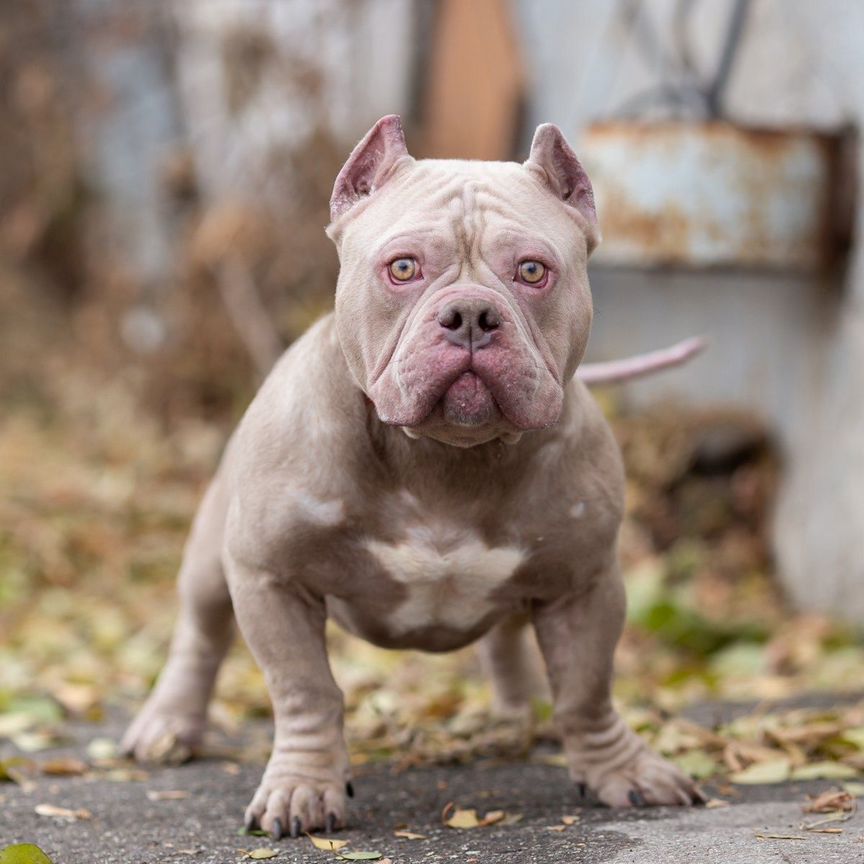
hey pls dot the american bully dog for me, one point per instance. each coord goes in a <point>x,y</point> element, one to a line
<point>425,467</point>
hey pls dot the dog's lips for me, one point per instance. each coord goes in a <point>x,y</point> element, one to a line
<point>469,402</point>
<point>428,380</point>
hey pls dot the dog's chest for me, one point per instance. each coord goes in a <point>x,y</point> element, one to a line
<point>449,576</point>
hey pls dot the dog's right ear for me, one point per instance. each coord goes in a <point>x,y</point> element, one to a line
<point>369,164</point>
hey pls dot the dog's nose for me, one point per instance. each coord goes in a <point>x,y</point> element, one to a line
<point>469,323</point>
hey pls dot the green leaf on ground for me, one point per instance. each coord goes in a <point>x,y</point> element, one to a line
<point>23,853</point>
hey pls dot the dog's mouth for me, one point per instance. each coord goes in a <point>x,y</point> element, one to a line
<point>430,381</point>
<point>469,402</point>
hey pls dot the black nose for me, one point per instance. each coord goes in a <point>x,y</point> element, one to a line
<point>469,323</point>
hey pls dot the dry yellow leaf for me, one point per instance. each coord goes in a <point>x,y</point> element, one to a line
<point>492,817</point>
<point>463,819</point>
<point>326,843</point>
<point>409,835</point>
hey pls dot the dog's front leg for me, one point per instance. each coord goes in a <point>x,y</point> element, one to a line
<point>578,634</point>
<point>303,787</point>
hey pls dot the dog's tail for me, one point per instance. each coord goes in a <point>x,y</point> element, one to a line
<point>616,371</point>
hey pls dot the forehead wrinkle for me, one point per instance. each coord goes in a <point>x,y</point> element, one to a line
<point>473,223</point>
<point>401,235</point>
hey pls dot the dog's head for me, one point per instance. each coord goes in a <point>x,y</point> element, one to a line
<point>463,305</point>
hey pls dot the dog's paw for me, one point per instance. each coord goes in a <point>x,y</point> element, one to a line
<point>158,734</point>
<point>289,803</point>
<point>645,780</point>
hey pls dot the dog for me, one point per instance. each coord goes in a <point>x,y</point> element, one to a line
<point>425,467</point>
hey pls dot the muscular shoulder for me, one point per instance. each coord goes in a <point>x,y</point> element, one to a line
<point>306,402</point>
<point>285,462</point>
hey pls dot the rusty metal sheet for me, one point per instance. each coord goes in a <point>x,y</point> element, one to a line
<point>714,194</point>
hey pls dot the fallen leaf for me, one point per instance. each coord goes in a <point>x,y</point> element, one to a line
<point>511,819</point>
<point>64,767</point>
<point>492,817</point>
<point>326,843</point>
<point>126,775</point>
<point>17,770</point>
<point>262,853</point>
<point>166,795</point>
<point>12,724</point>
<point>854,736</point>
<point>556,827</point>
<point>824,771</point>
<point>63,813</point>
<point>102,748</point>
<point>830,801</point>
<point>33,742</point>
<point>77,698</point>
<point>23,853</point>
<point>569,820</point>
<point>409,835</point>
<point>251,832</point>
<point>359,856</point>
<point>759,773</point>
<point>463,819</point>
<point>557,760</point>
<point>714,803</point>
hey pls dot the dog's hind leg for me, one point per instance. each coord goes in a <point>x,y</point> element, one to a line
<point>510,657</point>
<point>171,724</point>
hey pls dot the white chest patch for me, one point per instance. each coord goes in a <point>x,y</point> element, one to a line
<point>450,581</point>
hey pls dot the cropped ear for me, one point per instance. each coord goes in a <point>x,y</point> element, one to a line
<point>565,176</point>
<point>369,164</point>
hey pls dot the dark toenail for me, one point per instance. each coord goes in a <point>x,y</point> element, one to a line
<point>637,799</point>
<point>277,830</point>
<point>251,823</point>
<point>331,823</point>
<point>582,789</point>
<point>349,789</point>
<point>296,827</point>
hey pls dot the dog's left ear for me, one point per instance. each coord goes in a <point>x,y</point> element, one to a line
<point>564,175</point>
<point>369,164</point>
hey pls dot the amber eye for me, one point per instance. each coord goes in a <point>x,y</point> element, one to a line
<point>532,272</point>
<point>403,269</point>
